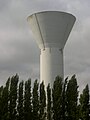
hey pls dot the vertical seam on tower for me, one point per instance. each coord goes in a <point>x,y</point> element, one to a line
<point>65,30</point>
<point>40,30</point>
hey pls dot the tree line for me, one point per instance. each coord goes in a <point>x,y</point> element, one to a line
<point>21,101</point>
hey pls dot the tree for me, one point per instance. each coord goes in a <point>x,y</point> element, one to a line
<point>57,98</point>
<point>84,104</point>
<point>64,99</point>
<point>27,101</point>
<point>35,101</point>
<point>1,91</point>
<point>49,112</point>
<point>42,101</point>
<point>72,98</point>
<point>5,101</point>
<point>13,97</point>
<point>20,102</point>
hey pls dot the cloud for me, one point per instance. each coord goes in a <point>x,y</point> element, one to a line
<point>4,4</point>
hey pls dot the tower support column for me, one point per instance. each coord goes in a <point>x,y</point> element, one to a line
<point>51,65</point>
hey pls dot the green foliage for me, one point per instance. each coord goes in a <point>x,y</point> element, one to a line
<point>35,101</point>
<point>42,101</point>
<point>57,98</point>
<point>13,97</point>
<point>72,98</point>
<point>64,101</point>
<point>1,100</point>
<point>20,102</point>
<point>49,110</point>
<point>27,101</point>
<point>84,104</point>
<point>5,98</point>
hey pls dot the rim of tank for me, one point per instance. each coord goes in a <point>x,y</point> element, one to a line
<point>52,11</point>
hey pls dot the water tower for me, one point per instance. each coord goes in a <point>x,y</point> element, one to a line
<point>51,30</point>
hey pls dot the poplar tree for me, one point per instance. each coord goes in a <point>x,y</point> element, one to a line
<point>57,98</point>
<point>20,102</point>
<point>27,101</point>
<point>1,91</point>
<point>84,104</point>
<point>35,101</point>
<point>49,110</point>
<point>13,97</point>
<point>42,101</point>
<point>5,101</point>
<point>72,99</point>
<point>64,101</point>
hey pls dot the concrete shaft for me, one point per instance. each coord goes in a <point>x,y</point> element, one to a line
<point>51,65</point>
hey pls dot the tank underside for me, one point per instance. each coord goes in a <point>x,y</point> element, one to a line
<point>51,28</point>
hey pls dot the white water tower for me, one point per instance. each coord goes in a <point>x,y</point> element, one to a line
<point>51,30</point>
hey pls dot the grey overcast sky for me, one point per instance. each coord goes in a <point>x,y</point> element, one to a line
<point>19,52</point>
